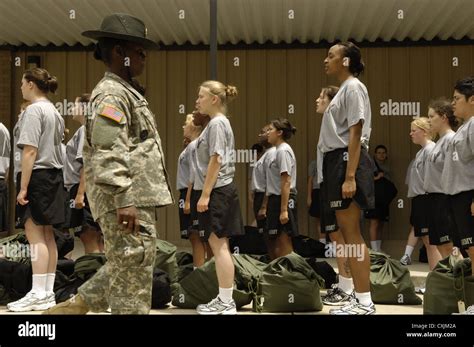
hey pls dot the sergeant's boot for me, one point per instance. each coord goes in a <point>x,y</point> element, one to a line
<point>75,305</point>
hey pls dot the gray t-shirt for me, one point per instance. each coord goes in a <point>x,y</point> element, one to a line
<point>73,163</point>
<point>313,172</point>
<point>435,164</point>
<point>283,160</point>
<point>350,105</point>
<point>16,151</point>
<point>458,171</point>
<point>216,138</point>
<point>5,149</point>
<point>184,169</point>
<point>43,127</point>
<point>259,178</point>
<point>416,171</point>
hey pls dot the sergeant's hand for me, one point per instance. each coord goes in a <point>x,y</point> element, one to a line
<point>21,198</point>
<point>203,204</point>
<point>348,188</point>
<point>127,217</point>
<point>79,201</point>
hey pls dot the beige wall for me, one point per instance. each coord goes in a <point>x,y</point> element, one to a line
<point>268,81</point>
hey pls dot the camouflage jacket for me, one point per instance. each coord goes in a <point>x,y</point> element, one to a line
<point>124,163</point>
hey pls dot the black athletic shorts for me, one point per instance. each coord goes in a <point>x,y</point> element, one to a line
<point>223,216</point>
<point>460,212</point>
<point>46,198</point>
<point>184,219</point>
<point>419,216</point>
<point>315,207</point>
<point>194,222</point>
<point>334,175</point>
<point>328,221</point>
<point>380,212</point>
<point>257,204</point>
<point>274,227</point>
<point>440,221</point>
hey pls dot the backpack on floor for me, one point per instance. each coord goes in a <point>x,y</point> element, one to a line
<point>288,284</point>
<point>450,281</point>
<point>390,281</point>
<point>326,271</point>
<point>161,290</point>
<point>308,247</point>
<point>201,285</point>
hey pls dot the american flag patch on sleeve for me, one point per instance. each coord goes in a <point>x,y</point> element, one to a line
<point>112,113</point>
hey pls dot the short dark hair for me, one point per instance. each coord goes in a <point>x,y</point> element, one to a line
<point>380,147</point>
<point>465,86</point>
<point>103,48</point>
<point>350,50</point>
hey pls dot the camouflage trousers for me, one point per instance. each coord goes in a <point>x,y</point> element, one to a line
<point>124,283</point>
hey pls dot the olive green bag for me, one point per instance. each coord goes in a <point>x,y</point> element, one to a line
<point>201,286</point>
<point>288,284</point>
<point>166,259</point>
<point>390,281</point>
<point>450,281</point>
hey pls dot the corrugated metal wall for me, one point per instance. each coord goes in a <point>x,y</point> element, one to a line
<point>268,82</point>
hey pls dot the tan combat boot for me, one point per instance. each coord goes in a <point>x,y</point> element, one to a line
<point>75,305</point>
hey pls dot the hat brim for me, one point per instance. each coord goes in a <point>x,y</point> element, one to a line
<point>97,34</point>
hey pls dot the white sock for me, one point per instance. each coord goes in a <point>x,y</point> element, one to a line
<point>195,267</point>
<point>364,298</point>
<point>373,245</point>
<point>322,240</point>
<point>409,250</point>
<point>379,244</point>
<point>50,282</point>
<point>39,284</point>
<point>225,294</point>
<point>345,284</point>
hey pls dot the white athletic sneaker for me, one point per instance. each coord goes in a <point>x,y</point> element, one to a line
<point>336,296</point>
<point>469,311</point>
<point>32,302</point>
<point>406,260</point>
<point>353,309</point>
<point>216,306</point>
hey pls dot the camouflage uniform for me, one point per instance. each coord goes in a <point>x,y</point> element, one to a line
<point>124,166</point>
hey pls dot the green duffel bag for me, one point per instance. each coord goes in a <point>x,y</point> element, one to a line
<point>390,281</point>
<point>166,259</point>
<point>450,281</point>
<point>288,284</point>
<point>201,286</point>
<point>15,248</point>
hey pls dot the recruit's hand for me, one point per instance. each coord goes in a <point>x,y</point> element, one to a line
<point>127,218</point>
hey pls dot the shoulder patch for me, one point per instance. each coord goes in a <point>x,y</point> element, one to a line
<point>111,112</point>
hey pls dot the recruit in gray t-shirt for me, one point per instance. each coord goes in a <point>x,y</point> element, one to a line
<point>259,179</point>
<point>184,168</point>
<point>416,171</point>
<point>458,171</point>
<point>5,149</point>
<point>73,163</point>
<point>350,105</point>
<point>283,160</point>
<point>313,172</point>
<point>435,163</point>
<point>43,127</point>
<point>216,138</point>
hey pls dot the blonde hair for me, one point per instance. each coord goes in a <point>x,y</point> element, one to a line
<point>424,124</point>
<point>225,93</point>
